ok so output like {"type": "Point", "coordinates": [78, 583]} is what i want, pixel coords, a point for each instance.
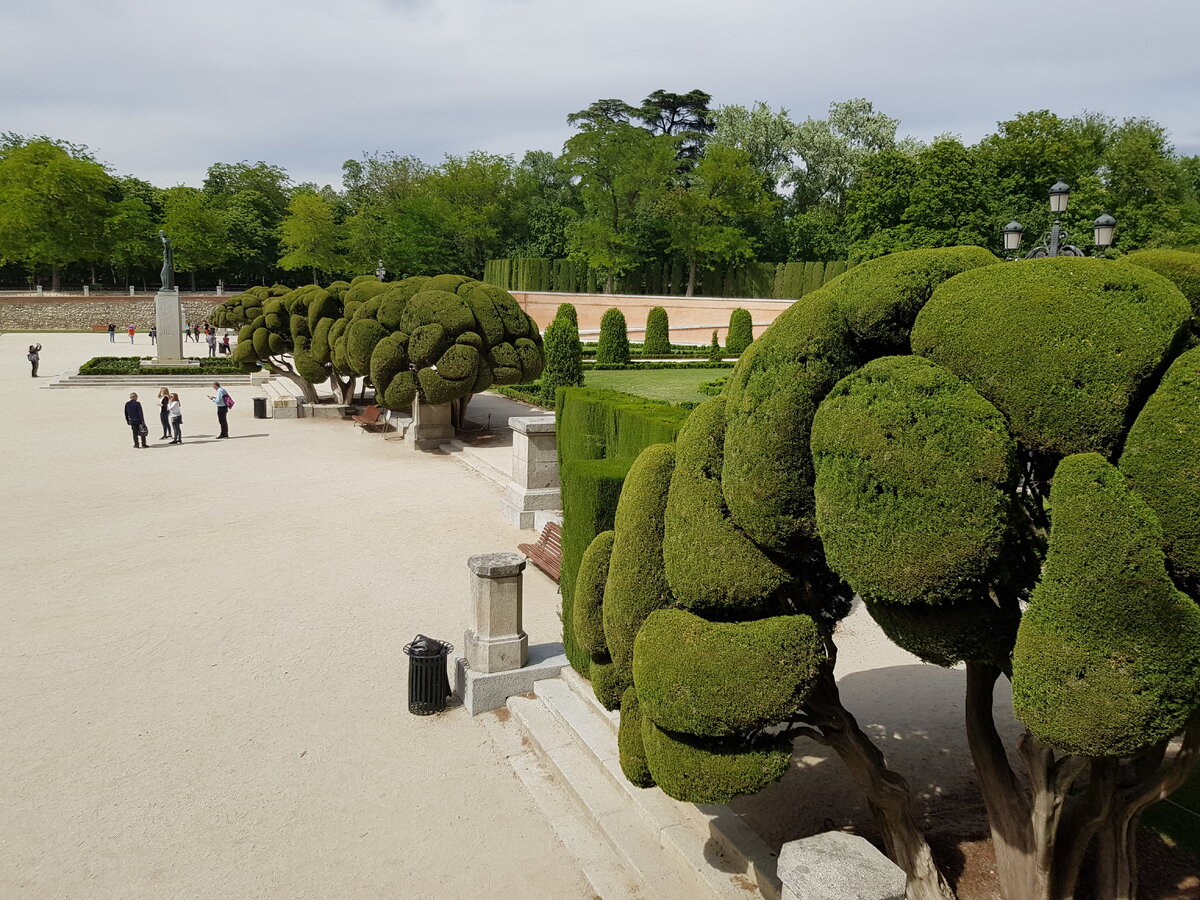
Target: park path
{"type": "Point", "coordinates": [201, 686]}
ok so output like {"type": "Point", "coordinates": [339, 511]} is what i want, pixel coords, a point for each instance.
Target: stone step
{"type": "Point", "coordinates": [698, 835]}
{"type": "Point", "coordinates": [476, 461]}
{"type": "Point", "coordinates": [603, 869]}
{"type": "Point", "coordinates": [143, 381]}
{"type": "Point", "coordinates": [634, 842]}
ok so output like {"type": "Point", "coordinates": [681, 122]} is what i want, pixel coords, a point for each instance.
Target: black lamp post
{"type": "Point", "coordinates": [1054, 242]}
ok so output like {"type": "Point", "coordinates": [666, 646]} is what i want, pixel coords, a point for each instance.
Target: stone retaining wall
{"type": "Point", "coordinates": [55, 314]}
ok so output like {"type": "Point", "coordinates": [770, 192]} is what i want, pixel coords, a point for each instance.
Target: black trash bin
{"type": "Point", "coordinates": [428, 686]}
{"type": "Point", "coordinates": [260, 407]}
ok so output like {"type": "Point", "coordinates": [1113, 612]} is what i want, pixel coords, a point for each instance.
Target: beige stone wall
{"type": "Point", "coordinates": [692, 318]}
{"type": "Point", "coordinates": [30, 313]}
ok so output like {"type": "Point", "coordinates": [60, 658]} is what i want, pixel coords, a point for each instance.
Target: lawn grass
{"type": "Point", "coordinates": [1178, 817]}
{"type": "Point", "coordinates": [672, 385]}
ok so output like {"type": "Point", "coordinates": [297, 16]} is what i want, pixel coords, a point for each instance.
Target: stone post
{"type": "Point", "coordinates": [131, 290]}
{"type": "Point", "coordinates": [535, 486]}
{"type": "Point", "coordinates": [495, 642]}
{"type": "Point", "coordinates": [87, 291]}
{"type": "Point", "coordinates": [430, 426]}
{"type": "Point", "coordinates": [168, 319]}
{"type": "Point", "coordinates": [498, 662]}
{"type": "Point", "coordinates": [39, 290]}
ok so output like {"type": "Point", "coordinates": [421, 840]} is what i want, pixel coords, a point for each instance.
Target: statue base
{"type": "Point", "coordinates": [160, 363]}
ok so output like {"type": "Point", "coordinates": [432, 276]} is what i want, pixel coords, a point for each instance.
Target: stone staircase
{"type": "Point", "coordinates": [151, 382]}
{"type": "Point", "coordinates": [630, 842]}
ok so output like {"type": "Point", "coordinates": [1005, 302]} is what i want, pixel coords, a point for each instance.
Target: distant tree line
{"type": "Point", "coordinates": [661, 192]}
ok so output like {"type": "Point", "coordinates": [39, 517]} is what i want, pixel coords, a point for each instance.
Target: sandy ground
{"type": "Point", "coordinates": [202, 691]}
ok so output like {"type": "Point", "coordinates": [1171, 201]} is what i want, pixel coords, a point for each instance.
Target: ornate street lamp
{"type": "Point", "coordinates": [1054, 242]}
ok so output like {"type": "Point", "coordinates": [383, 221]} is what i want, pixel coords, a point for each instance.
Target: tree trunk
{"type": "Point", "coordinates": [93, 274]}
{"type": "Point", "coordinates": [887, 792]}
{"type": "Point", "coordinates": [314, 271]}
{"type": "Point", "coordinates": [691, 285]}
{"type": "Point", "coordinates": [1007, 803]}
{"type": "Point", "coordinates": [282, 367]}
{"type": "Point", "coordinates": [193, 274]}
{"type": "Point", "coordinates": [55, 277]}
{"type": "Point", "coordinates": [608, 282]}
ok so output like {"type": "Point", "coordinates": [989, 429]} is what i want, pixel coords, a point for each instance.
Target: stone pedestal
{"type": "Point", "coordinates": [498, 661]}
{"type": "Point", "coordinates": [430, 426]}
{"type": "Point", "coordinates": [168, 319]}
{"type": "Point", "coordinates": [534, 485]}
{"type": "Point", "coordinates": [838, 866]}
{"type": "Point", "coordinates": [495, 641]}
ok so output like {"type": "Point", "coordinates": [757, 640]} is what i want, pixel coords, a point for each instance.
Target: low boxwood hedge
{"type": "Point", "coordinates": [131, 365]}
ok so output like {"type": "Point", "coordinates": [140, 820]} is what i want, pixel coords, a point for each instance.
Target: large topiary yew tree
{"type": "Point", "coordinates": [1003, 462]}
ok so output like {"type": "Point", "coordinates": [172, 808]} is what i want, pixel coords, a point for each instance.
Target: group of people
{"type": "Point", "coordinates": [112, 332]}
{"type": "Point", "coordinates": [171, 415]}
{"type": "Point", "coordinates": [190, 333]}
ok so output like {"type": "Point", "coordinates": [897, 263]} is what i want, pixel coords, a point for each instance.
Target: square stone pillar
{"type": "Point", "coordinates": [168, 319]}
{"type": "Point", "coordinates": [495, 642]}
{"type": "Point", "coordinates": [535, 486]}
{"type": "Point", "coordinates": [498, 661]}
{"type": "Point", "coordinates": [430, 426]}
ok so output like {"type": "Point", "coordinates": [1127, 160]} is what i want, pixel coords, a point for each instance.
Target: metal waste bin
{"type": "Point", "coordinates": [260, 407]}
{"type": "Point", "coordinates": [428, 685]}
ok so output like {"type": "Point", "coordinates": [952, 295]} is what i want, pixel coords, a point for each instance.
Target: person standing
{"type": "Point", "coordinates": [164, 399]}
{"type": "Point", "coordinates": [212, 343]}
{"type": "Point", "coordinates": [136, 419]}
{"type": "Point", "coordinates": [112, 333]}
{"type": "Point", "coordinates": [131, 331]}
{"type": "Point", "coordinates": [153, 334]}
{"type": "Point", "coordinates": [196, 333]}
{"type": "Point", "coordinates": [34, 357]}
{"type": "Point", "coordinates": [225, 343]}
{"type": "Point", "coordinates": [223, 402]}
{"type": "Point", "coordinates": [175, 410]}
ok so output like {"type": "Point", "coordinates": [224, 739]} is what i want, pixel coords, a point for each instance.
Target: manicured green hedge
{"type": "Point", "coordinates": [629, 742]}
{"type": "Point", "coordinates": [564, 362]}
{"type": "Point", "coordinates": [1062, 346]}
{"type": "Point", "coordinates": [614, 338]}
{"type": "Point", "coordinates": [724, 678]}
{"type": "Point", "coordinates": [588, 616]}
{"type": "Point", "coordinates": [741, 332]}
{"type": "Point", "coordinates": [1161, 459]}
{"type": "Point", "coordinates": [914, 478]}
{"type": "Point", "coordinates": [131, 365]}
{"type": "Point", "coordinates": [658, 333]}
{"type": "Point", "coordinates": [711, 770]}
{"type": "Point", "coordinates": [1178, 266]}
{"type": "Point", "coordinates": [1107, 660]}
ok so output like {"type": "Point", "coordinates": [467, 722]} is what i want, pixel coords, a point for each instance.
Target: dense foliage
{"type": "Point", "coordinates": [613, 348]}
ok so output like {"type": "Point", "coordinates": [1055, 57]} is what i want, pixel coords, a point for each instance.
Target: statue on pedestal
{"type": "Point", "coordinates": [168, 267]}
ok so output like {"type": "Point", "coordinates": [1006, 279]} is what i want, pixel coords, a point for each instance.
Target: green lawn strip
{"type": "Point", "coordinates": [672, 385]}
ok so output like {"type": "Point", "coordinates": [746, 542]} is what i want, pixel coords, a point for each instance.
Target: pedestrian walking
{"type": "Point", "coordinates": [196, 333]}
{"type": "Point", "coordinates": [187, 331]}
{"type": "Point", "coordinates": [136, 419]}
{"type": "Point", "coordinates": [224, 402]}
{"type": "Point", "coordinates": [153, 334]}
{"type": "Point", "coordinates": [164, 400]}
{"type": "Point", "coordinates": [112, 333]}
{"type": "Point", "coordinates": [34, 357]}
{"type": "Point", "coordinates": [225, 343]}
{"type": "Point", "coordinates": [176, 412]}
{"type": "Point", "coordinates": [212, 343]}
{"type": "Point", "coordinates": [131, 331]}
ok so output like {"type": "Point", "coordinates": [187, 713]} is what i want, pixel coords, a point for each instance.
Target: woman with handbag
{"type": "Point", "coordinates": [164, 399]}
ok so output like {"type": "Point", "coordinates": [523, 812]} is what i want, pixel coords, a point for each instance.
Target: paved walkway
{"type": "Point", "coordinates": [201, 686]}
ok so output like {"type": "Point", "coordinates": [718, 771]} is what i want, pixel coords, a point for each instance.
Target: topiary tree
{"type": "Point", "coordinates": [714, 349]}
{"type": "Point", "coordinates": [741, 332]}
{"type": "Point", "coordinates": [613, 348]}
{"type": "Point", "coordinates": [658, 333]}
{"type": "Point", "coordinates": [986, 455]}
{"type": "Point", "coordinates": [564, 357]}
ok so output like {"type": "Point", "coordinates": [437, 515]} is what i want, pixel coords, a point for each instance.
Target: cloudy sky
{"type": "Point", "coordinates": [163, 89]}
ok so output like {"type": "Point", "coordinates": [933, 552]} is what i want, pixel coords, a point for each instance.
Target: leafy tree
{"type": "Point", "coordinates": [473, 192]}
{"type": "Point", "coordinates": [54, 199]}
{"type": "Point", "coordinates": [832, 150]}
{"type": "Point", "coordinates": [131, 237]}
{"type": "Point", "coordinates": [991, 506]}
{"type": "Point", "coordinates": [658, 333]}
{"type": "Point", "coordinates": [197, 229]}
{"type": "Point", "coordinates": [543, 202]}
{"type": "Point", "coordinates": [683, 116]}
{"type": "Point", "coordinates": [623, 172]}
{"type": "Point", "coordinates": [613, 347]}
{"type": "Point", "coordinates": [273, 332]}
{"type": "Point", "coordinates": [768, 137]}
{"type": "Point", "coordinates": [310, 235]}
{"type": "Point", "coordinates": [253, 198]}
{"type": "Point", "coordinates": [701, 217]}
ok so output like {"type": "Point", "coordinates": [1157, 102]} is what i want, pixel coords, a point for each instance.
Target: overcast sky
{"type": "Point", "coordinates": [162, 90]}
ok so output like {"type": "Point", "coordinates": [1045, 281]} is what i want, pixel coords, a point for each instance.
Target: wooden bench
{"type": "Point", "coordinates": [371, 417]}
{"type": "Point", "coordinates": [103, 328]}
{"type": "Point", "coordinates": [546, 553]}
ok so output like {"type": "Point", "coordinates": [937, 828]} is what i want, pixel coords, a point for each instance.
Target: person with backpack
{"type": "Point", "coordinates": [224, 403]}
{"type": "Point", "coordinates": [34, 357]}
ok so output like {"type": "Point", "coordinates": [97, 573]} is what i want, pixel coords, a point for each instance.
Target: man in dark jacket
{"type": "Point", "coordinates": [135, 419]}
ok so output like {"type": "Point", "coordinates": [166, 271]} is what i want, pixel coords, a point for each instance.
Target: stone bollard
{"type": "Point", "coordinates": [39, 290]}
{"type": "Point", "coordinates": [838, 866]}
{"type": "Point", "coordinates": [535, 485]}
{"type": "Point", "coordinates": [87, 291]}
{"type": "Point", "coordinates": [498, 661]}
{"type": "Point", "coordinates": [131, 290]}
{"type": "Point", "coordinates": [495, 642]}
